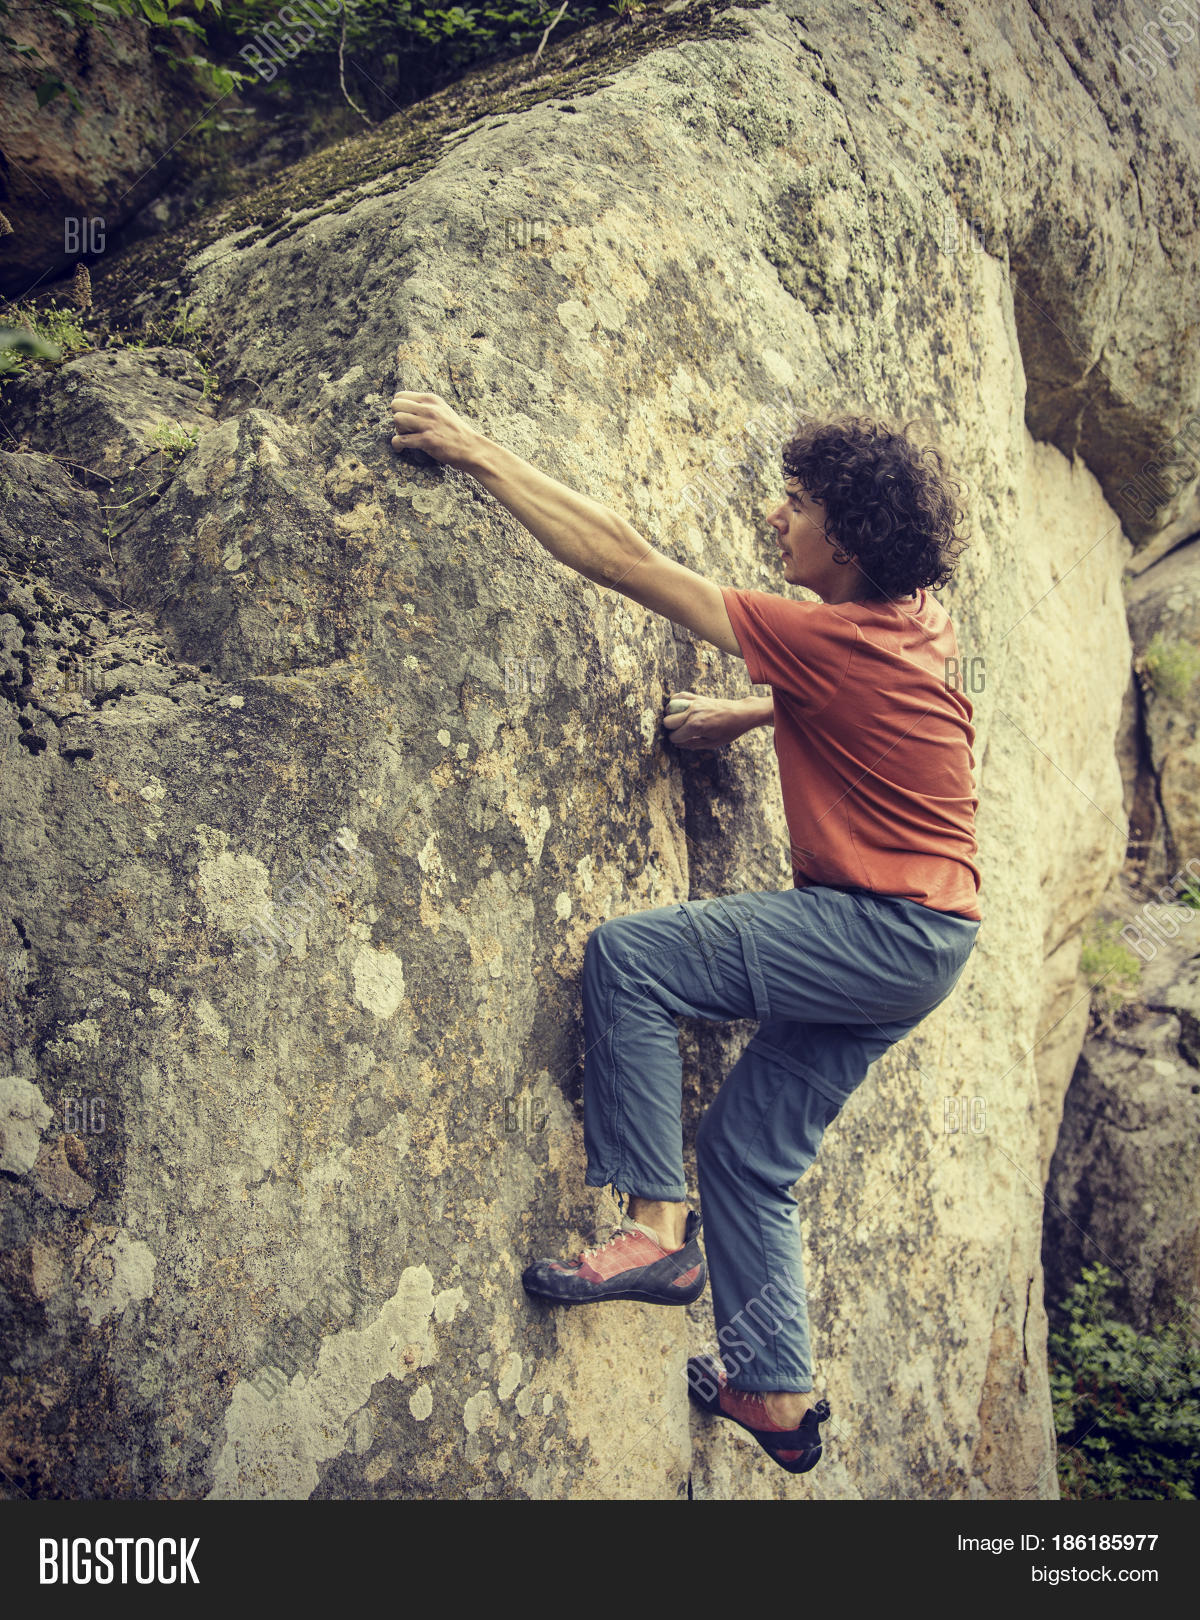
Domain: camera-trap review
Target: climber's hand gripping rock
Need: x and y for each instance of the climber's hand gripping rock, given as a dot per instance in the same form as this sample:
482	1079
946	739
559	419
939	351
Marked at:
703	722
425	422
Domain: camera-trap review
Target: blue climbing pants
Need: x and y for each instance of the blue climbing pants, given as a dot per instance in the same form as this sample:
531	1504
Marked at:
834	977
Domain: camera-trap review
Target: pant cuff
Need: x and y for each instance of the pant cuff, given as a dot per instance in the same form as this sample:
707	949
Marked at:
671	1196
782	1382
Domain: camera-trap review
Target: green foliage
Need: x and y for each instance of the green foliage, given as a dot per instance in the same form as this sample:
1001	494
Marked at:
172	439
1170	667
32	334
276	48
17	340
166	18
384	31
182	329
39	334
1112	969
1126	1404
56	325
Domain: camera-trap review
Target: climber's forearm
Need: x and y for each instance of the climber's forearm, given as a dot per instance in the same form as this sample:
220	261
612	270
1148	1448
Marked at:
578	531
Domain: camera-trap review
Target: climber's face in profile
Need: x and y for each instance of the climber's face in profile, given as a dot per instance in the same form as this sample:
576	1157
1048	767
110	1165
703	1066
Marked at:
806	554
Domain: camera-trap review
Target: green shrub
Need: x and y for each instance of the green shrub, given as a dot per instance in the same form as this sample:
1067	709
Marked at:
171	439
1112	969
1126	1404
1170	667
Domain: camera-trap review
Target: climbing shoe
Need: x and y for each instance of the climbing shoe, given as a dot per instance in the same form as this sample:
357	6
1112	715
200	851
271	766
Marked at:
794	1449
632	1264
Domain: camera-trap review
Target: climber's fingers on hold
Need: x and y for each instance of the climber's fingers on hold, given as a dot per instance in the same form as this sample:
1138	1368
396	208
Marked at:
413	417
677	716
418	405
425	422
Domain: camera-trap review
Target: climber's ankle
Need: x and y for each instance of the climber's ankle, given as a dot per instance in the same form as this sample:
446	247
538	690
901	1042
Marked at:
669	1220
787	1407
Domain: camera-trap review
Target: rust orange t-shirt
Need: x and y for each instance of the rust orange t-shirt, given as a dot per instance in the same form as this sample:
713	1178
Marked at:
873	742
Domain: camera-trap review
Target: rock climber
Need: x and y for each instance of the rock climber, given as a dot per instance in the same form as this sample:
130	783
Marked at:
873	736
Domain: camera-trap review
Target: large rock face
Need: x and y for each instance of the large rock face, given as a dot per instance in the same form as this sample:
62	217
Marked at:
289	1264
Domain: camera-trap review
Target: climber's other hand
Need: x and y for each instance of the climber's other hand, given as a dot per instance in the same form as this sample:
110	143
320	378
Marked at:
705	723
425	422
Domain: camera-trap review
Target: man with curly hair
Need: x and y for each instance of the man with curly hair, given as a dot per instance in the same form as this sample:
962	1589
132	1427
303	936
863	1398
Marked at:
874	745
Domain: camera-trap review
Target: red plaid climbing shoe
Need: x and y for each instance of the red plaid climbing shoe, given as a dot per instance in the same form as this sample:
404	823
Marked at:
632	1264
797	1449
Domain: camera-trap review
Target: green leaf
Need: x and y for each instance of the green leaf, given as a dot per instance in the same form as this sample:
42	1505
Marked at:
48	89
19	341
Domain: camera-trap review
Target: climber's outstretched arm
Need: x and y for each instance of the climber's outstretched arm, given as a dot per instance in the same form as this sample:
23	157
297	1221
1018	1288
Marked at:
676	591
584	534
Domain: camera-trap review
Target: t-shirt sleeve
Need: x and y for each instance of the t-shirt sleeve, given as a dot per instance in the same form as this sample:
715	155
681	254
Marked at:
800	648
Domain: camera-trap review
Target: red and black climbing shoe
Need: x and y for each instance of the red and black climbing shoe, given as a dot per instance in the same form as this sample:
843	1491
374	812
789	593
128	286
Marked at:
794	1449
632	1264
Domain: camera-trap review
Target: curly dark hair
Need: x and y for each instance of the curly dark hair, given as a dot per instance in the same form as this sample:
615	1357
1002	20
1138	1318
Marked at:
891	502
